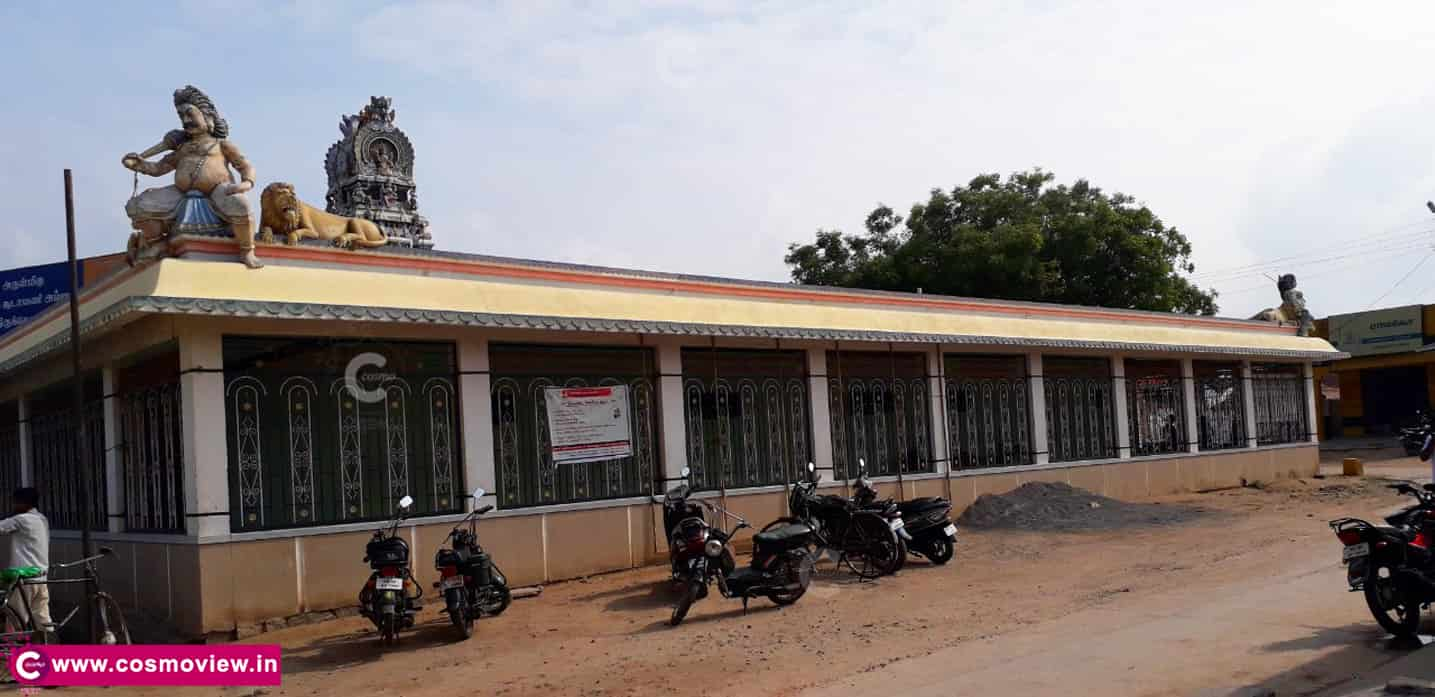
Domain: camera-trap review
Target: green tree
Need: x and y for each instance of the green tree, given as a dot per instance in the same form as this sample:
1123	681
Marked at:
1018	239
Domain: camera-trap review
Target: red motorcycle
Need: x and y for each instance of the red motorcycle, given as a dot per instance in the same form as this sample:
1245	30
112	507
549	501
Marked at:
1392	563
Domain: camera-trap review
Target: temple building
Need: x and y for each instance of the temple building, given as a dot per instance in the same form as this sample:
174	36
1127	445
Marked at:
259	424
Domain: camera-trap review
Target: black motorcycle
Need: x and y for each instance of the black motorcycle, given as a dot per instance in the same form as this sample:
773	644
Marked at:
1392	563
1412	438
471	583
926	526
385	598
864	541
781	566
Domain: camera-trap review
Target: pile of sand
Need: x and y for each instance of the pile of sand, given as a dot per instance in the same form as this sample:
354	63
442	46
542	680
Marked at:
1059	506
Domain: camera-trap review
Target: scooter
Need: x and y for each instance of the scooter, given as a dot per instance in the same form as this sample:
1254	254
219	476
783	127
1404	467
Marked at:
385	598
471	584
926	523
781	566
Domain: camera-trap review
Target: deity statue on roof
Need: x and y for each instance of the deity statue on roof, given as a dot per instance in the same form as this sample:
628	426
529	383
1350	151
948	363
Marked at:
1292	308
371	175
206	197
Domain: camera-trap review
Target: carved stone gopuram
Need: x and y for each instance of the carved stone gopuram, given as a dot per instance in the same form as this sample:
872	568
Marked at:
371	175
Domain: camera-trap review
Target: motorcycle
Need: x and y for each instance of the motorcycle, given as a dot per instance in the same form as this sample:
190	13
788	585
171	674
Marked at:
1412	438
864	541
384	599
1391	563
687	527
471	584
781	566
926	526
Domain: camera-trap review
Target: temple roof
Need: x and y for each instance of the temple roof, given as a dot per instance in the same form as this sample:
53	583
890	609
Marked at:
396	285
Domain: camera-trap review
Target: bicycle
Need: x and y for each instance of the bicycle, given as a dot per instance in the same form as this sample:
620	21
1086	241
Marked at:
107	622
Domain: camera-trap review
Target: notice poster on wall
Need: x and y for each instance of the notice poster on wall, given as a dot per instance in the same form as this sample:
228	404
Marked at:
588	423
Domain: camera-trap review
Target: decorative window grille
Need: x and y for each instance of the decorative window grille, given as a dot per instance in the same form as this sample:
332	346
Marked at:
1080	420
55	457
9	447
152	449
327	431
987	411
746	416
527	475
1156	407
1280	404
1220	406
883	403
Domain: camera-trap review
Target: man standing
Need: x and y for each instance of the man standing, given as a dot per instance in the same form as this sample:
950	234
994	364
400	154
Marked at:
29	533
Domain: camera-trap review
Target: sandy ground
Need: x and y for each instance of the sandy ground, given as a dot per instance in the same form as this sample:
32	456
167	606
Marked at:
1250	593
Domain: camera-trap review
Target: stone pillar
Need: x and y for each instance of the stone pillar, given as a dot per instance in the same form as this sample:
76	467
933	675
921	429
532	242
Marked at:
1248	392
936	390
1121	408
1312	417
27	460
114	462
1040	449
673	424
476	406
821	411
206	454
1188	392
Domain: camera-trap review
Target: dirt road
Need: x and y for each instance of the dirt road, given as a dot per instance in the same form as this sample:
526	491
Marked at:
1249	593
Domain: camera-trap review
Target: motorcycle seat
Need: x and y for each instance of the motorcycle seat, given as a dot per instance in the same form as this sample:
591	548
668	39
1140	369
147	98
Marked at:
923	504
783	534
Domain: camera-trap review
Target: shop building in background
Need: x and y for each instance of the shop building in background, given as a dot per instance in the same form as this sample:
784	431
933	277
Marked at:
1388	376
251	427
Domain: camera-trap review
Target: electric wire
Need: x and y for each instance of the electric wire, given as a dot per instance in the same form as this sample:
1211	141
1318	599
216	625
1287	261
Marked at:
1391	236
1408	274
1347	252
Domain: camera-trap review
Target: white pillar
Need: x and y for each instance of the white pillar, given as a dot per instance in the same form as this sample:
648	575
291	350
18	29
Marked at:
114	463
1041	450
27	461
206	454
476	406
1314	432
936	390
674	425
821	409
1188	392
1249	393
1123	422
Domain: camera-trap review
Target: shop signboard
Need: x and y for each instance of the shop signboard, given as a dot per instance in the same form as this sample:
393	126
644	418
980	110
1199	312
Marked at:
1392	330
28	291
586	424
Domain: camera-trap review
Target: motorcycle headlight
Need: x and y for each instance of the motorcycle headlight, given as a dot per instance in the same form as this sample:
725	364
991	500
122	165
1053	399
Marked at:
713	548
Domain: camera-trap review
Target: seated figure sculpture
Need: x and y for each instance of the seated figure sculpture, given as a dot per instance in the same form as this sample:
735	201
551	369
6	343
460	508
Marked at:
205	198
1292	309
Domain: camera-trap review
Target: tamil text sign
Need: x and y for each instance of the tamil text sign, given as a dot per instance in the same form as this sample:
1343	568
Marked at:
588	423
26	292
1394	330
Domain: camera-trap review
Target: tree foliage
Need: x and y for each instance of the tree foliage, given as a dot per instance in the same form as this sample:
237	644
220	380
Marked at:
1018	239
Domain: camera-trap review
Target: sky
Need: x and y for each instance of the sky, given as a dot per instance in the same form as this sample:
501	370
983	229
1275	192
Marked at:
705	137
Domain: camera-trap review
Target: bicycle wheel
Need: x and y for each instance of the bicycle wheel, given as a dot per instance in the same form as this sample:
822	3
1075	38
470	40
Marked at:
108	620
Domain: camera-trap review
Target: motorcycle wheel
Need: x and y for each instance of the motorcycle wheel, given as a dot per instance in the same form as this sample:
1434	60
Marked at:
1411	449
498	599
685	603
794	570
939	550
388	629
458	611
1395	611
902	552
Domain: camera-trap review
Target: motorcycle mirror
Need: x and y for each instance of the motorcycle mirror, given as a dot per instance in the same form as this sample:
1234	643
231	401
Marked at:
686	472
861	465
405	503
811	467
478	493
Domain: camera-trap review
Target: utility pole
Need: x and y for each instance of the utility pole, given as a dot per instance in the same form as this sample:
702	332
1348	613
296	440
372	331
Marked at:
82	445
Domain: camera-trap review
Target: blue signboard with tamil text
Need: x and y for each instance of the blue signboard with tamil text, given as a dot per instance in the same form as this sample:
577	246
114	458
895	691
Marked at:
28	291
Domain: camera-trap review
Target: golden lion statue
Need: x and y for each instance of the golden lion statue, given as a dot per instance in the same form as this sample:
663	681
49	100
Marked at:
282	213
